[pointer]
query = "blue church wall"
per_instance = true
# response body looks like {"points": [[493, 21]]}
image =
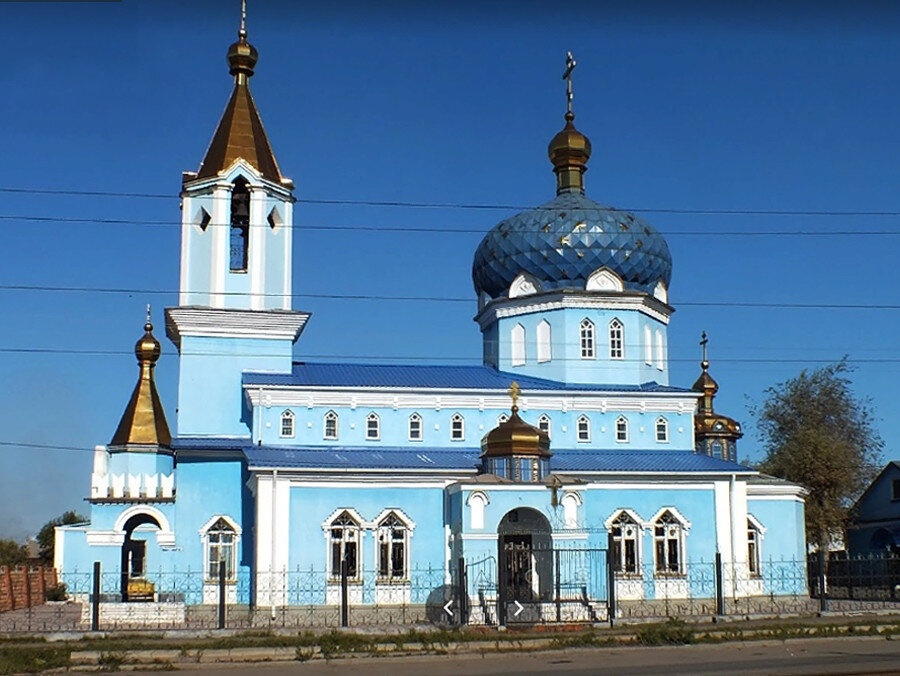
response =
{"points": [[209, 380], [394, 427], [140, 463], [785, 535], [199, 242], [566, 363]]}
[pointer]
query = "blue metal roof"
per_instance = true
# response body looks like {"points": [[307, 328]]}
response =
{"points": [[324, 374], [210, 443], [466, 459]]}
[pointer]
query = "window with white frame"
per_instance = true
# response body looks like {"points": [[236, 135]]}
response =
{"points": [[517, 345], [583, 428], [415, 427], [343, 545], [662, 430], [586, 333], [373, 426], [660, 351], [621, 429], [287, 424], [544, 352], [457, 428], [502, 418], [544, 424], [616, 340], [626, 544], [393, 547], [754, 555], [648, 345], [220, 540], [668, 538], [330, 425]]}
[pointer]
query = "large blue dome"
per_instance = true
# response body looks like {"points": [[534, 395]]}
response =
{"points": [[562, 242]]}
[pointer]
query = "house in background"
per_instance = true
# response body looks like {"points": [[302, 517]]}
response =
{"points": [[876, 516]]}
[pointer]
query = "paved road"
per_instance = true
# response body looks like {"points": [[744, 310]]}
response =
{"points": [[812, 656]]}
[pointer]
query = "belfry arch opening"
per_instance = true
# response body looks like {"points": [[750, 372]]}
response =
{"points": [[240, 226], [134, 558]]}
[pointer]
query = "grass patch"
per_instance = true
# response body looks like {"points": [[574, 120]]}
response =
{"points": [[111, 660], [18, 660], [587, 639], [336, 643], [671, 632]]}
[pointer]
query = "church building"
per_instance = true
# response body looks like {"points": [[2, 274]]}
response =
{"points": [[568, 437]]}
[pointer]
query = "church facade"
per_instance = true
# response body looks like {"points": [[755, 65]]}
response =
{"points": [[569, 437]]}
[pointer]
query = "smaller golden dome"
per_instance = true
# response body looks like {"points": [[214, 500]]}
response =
{"points": [[515, 437], [242, 56], [706, 383], [147, 349], [569, 152]]}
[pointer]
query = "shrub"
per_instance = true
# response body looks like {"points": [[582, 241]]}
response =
{"points": [[671, 632]]}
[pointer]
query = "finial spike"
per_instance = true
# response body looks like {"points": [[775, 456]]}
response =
{"points": [[242, 33], [567, 76]]}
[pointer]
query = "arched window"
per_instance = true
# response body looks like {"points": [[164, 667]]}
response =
{"points": [[502, 418], [544, 424], [477, 502], [343, 544], [648, 345], [755, 532], [662, 430], [287, 424], [240, 226], [586, 333], [570, 503], [373, 426], [626, 539], [583, 426], [330, 425], [392, 536], [517, 345], [660, 351], [621, 429], [616, 340], [220, 540], [415, 427], [457, 428], [668, 537], [544, 352]]}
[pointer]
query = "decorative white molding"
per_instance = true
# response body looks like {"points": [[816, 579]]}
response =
{"points": [[104, 538], [634, 516], [604, 279], [240, 167], [231, 522], [661, 293], [524, 285], [227, 323], [757, 524], [164, 536], [403, 516], [685, 524]]}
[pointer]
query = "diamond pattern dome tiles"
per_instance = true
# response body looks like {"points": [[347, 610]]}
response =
{"points": [[562, 242]]}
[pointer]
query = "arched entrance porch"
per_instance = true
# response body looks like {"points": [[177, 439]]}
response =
{"points": [[134, 586], [525, 557]]}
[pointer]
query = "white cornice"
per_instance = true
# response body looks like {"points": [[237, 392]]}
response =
{"points": [[192, 187], [775, 491], [221, 323], [588, 300], [298, 396]]}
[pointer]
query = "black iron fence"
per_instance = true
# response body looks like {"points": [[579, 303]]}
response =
{"points": [[518, 585]]}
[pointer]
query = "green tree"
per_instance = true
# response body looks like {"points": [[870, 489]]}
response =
{"points": [[12, 553], [819, 434], [47, 535]]}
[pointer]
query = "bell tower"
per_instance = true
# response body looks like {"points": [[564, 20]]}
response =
{"points": [[234, 307]]}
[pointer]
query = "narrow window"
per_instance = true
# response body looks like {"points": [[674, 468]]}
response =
{"points": [[753, 542], [660, 351], [621, 429], [457, 428], [616, 340], [373, 426], [625, 538], [203, 219], [586, 332], [287, 424], [415, 427], [343, 543], [330, 425], [648, 345], [584, 428], [543, 341], [393, 542], [544, 424], [220, 551], [662, 430], [240, 226], [502, 418], [517, 345], [667, 535]]}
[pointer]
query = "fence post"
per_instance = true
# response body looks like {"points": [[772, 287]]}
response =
{"points": [[95, 599], [462, 591], [221, 594], [823, 594], [610, 581], [345, 592], [720, 586], [557, 587], [502, 583]]}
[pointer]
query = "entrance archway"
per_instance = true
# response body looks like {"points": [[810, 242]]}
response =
{"points": [[134, 560], [525, 557]]}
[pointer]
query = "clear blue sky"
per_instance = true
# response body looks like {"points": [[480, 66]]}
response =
{"points": [[761, 106]]}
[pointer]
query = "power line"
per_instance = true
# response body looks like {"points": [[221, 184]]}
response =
{"points": [[464, 205]]}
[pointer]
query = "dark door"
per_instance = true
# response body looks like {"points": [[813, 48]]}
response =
{"points": [[516, 572]]}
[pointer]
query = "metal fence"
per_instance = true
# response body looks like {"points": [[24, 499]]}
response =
{"points": [[519, 585]]}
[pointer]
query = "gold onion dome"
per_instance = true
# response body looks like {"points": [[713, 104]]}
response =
{"points": [[569, 153], [242, 56], [147, 349], [515, 437]]}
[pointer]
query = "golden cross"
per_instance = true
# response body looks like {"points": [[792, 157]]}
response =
{"points": [[514, 392]]}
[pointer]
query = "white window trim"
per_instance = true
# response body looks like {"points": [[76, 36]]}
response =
{"points": [[333, 577], [621, 418], [517, 356], [409, 435], [587, 346], [476, 512], [754, 523], [502, 418], [462, 427], [684, 526], [370, 417], [544, 342], [204, 539], [546, 419], [337, 426], [616, 324], [578, 429], [641, 526], [665, 421], [287, 414]]}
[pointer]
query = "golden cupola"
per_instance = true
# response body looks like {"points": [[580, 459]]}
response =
{"points": [[569, 153], [514, 449], [143, 423], [715, 435]]}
